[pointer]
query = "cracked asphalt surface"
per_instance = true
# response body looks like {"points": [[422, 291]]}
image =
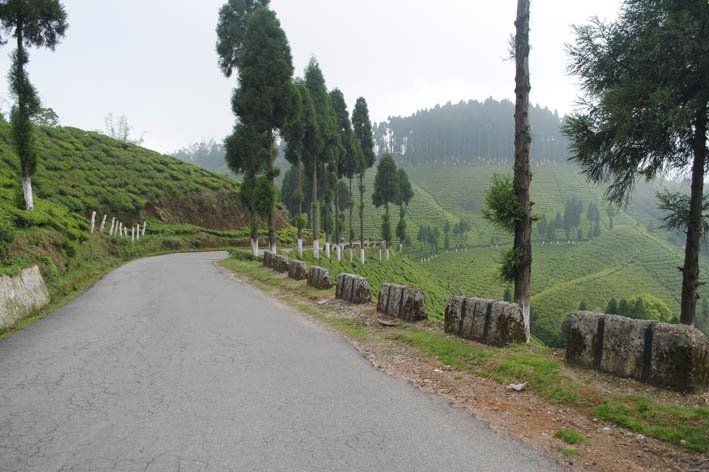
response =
{"points": [[167, 364]]}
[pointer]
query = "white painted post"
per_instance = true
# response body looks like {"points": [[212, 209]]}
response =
{"points": [[113, 223], [380, 254], [93, 221], [361, 254], [145, 226], [351, 255], [137, 232], [327, 250], [387, 254], [300, 248], [316, 249], [255, 241], [338, 250], [120, 229], [132, 234], [103, 223]]}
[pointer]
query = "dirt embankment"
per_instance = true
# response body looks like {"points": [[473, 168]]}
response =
{"points": [[216, 210]]}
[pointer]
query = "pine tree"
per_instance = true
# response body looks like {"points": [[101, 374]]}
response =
{"points": [[646, 108], [406, 193], [386, 191], [366, 158], [612, 308], [231, 29], [345, 153], [319, 156], [301, 134], [38, 23], [265, 97]]}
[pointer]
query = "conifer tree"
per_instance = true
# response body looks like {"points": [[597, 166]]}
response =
{"points": [[231, 29], [265, 96], [345, 154], [406, 193], [38, 23], [646, 103], [386, 191], [365, 151], [320, 152], [301, 134]]}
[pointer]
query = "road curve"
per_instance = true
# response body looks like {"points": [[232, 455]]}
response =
{"points": [[167, 364]]}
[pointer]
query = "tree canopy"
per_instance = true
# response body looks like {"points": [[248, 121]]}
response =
{"points": [[646, 100]]}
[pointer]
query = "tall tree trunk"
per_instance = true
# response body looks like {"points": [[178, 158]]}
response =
{"points": [[27, 188], [254, 233], [522, 176], [271, 211], [337, 213], [690, 271], [326, 210], [314, 213], [351, 205], [300, 208], [361, 217]]}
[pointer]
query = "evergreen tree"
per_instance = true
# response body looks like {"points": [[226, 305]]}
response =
{"points": [[386, 191], [623, 307], [318, 156], [583, 306], [365, 156], [265, 97], [612, 308], [38, 23], [231, 29], [346, 152], [543, 227], [406, 193], [610, 211], [507, 297], [301, 134], [652, 65], [246, 154], [446, 235]]}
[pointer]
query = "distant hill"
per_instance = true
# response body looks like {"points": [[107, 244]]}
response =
{"points": [[469, 132]]}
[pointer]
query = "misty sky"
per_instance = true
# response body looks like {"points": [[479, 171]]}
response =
{"points": [[154, 60]]}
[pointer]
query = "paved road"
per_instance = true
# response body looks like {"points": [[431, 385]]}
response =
{"points": [[169, 365]]}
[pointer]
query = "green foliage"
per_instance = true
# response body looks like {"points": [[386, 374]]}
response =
{"points": [[676, 208], [231, 29], [508, 264], [502, 209], [386, 183], [570, 436], [7, 237]]}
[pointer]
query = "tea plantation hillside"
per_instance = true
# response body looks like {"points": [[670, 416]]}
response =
{"points": [[85, 171], [623, 262], [78, 172]]}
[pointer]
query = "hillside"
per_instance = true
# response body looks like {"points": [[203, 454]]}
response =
{"points": [[624, 262], [78, 172]]}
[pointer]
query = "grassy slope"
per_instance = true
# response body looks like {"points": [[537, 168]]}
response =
{"points": [[81, 171], [621, 263]]}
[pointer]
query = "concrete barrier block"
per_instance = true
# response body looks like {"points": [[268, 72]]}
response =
{"points": [[319, 277], [486, 321], [680, 358], [353, 288], [297, 270], [280, 263], [268, 259], [666, 355], [406, 303]]}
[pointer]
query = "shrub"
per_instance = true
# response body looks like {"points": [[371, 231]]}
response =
{"points": [[7, 237]]}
